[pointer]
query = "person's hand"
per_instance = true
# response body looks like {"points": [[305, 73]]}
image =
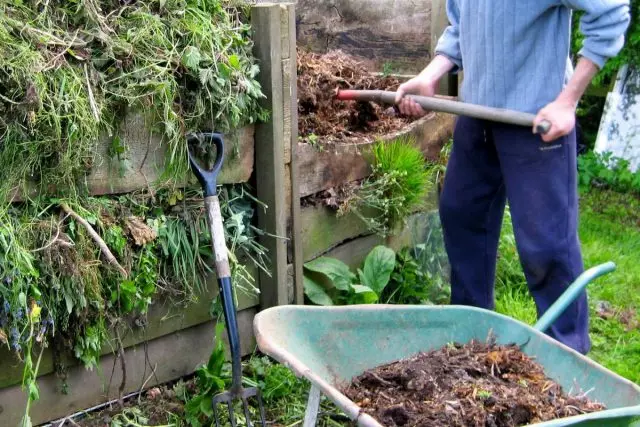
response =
{"points": [[561, 115], [419, 85]]}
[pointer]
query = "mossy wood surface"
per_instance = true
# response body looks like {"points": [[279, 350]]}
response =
{"points": [[143, 165], [354, 249], [322, 230]]}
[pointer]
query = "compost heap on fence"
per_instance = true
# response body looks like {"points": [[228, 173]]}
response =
{"points": [[78, 273], [472, 384], [323, 118]]}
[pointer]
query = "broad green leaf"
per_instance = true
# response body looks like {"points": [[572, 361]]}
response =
{"points": [[22, 299], [191, 58], [234, 61], [378, 267], [334, 269], [33, 391], [206, 408], [316, 292], [365, 294], [128, 286]]}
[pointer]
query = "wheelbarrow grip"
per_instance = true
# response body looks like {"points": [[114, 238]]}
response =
{"points": [[448, 106], [572, 292]]}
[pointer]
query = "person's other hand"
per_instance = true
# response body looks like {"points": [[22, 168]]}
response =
{"points": [[419, 85], [561, 116]]}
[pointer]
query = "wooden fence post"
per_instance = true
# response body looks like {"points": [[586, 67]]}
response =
{"points": [[289, 71], [275, 142], [439, 22]]}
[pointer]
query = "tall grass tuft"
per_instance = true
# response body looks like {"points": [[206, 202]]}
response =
{"points": [[398, 185]]}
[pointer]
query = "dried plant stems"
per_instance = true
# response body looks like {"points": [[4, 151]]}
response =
{"points": [[96, 237]]}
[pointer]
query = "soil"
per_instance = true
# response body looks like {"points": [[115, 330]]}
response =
{"points": [[323, 118], [475, 384]]}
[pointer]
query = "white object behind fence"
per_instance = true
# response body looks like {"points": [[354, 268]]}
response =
{"points": [[619, 131]]}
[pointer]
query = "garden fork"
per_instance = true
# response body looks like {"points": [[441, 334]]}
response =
{"points": [[207, 178]]}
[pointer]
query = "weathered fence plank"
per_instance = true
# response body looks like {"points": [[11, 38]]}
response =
{"points": [[338, 164], [385, 33], [171, 357], [289, 72], [355, 251], [163, 319], [146, 157]]}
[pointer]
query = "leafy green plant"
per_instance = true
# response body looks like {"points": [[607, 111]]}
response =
{"points": [[211, 379], [74, 70], [606, 170], [630, 53], [412, 282], [397, 186], [345, 287]]}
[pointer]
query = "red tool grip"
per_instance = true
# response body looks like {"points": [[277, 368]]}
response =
{"points": [[347, 95]]}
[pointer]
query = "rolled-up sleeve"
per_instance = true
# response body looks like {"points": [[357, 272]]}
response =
{"points": [[449, 43], [604, 25]]}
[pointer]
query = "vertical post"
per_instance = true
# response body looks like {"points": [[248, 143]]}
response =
{"points": [[290, 98], [439, 22], [269, 152]]}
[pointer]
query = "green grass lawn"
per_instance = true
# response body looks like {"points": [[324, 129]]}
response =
{"points": [[609, 231]]}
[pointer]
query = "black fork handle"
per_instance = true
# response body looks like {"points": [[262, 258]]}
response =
{"points": [[208, 181], [207, 178]]}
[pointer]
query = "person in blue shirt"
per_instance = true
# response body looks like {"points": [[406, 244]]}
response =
{"points": [[514, 54]]}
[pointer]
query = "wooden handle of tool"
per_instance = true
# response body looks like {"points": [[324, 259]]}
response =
{"points": [[448, 106], [214, 218]]}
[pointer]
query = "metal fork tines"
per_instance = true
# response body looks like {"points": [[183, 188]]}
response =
{"points": [[244, 394]]}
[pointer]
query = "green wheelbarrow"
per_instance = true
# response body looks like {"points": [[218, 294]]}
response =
{"points": [[331, 345]]}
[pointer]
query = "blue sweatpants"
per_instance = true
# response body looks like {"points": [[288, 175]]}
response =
{"points": [[491, 163]]}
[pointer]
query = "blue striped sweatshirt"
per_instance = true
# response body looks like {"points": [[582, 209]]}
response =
{"points": [[515, 53]]}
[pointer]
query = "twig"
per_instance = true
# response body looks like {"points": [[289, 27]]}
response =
{"points": [[96, 237], [92, 101], [55, 239]]}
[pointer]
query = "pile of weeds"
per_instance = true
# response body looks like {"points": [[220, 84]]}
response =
{"points": [[76, 272], [56, 288], [70, 70]]}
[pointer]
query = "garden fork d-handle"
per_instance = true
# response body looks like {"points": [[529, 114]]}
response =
{"points": [[207, 178]]}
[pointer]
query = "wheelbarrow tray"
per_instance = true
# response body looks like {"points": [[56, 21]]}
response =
{"points": [[329, 346]]}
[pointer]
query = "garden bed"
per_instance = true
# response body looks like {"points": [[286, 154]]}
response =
{"points": [[473, 384]]}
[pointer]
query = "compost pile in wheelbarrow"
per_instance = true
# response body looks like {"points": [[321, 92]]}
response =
{"points": [[475, 384], [322, 116]]}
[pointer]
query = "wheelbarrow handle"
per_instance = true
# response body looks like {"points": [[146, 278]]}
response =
{"points": [[207, 178], [572, 292], [448, 106]]}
